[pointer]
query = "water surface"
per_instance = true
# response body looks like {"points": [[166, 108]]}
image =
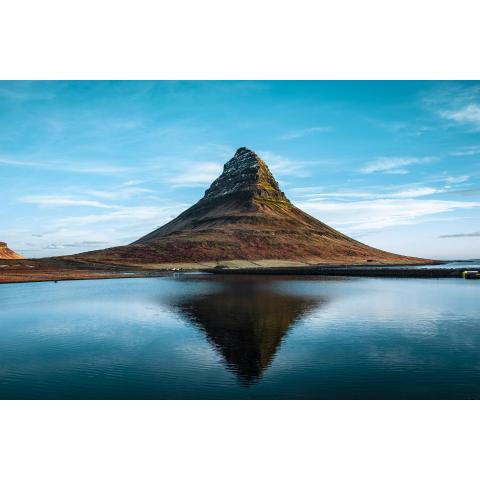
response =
{"points": [[207, 336]]}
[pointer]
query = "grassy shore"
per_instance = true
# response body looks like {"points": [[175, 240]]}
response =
{"points": [[59, 269]]}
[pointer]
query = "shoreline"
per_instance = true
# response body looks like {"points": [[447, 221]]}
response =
{"points": [[347, 271], [78, 279], [58, 270]]}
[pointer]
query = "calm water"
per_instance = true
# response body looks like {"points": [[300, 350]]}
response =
{"points": [[201, 336]]}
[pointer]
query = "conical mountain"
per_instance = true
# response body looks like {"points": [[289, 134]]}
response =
{"points": [[244, 190], [244, 216], [8, 254]]}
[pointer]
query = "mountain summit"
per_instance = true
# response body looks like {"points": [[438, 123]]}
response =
{"points": [[246, 172], [244, 189], [245, 217]]}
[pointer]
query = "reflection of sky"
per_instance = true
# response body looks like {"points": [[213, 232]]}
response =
{"points": [[110, 335]]}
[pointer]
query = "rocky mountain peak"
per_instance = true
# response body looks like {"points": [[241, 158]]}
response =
{"points": [[246, 172]]}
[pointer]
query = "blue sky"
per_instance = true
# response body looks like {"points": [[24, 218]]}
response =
{"points": [[87, 165]]}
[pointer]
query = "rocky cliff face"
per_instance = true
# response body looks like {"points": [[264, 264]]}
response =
{"points": [[246, 173], [7, 254], [245, 216]]}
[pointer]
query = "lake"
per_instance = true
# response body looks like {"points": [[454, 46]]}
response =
{"points": [[199, 336]]}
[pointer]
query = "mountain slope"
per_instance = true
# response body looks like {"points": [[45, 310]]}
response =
{"points": [[7, 254], [245, 216]]}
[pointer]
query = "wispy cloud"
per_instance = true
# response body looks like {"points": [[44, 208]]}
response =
{"points": [[281, 165], [59, 201], [309, 194], [76, 233], [460, 235], [467, 151], [407, 129], [100, 169], [78, 167], [76, 245], [394, 165], [458, 103], [414, 192], [122, 192], [360, 216], [315, 193], [454, 179], [467, 192], [22, 92], [201, 174], [361, 211], [305, 132], [122, 214], [467, 115]]}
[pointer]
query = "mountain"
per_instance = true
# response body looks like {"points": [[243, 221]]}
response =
{"points": [[244, 216], [7, 254]]}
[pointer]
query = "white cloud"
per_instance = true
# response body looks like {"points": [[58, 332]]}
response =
{"points": [[59, 201], [304, 133], [394, 165], [76, 246], [467, 151], [122, 214], [118, 226], [120, 193], [414, 192], [280, 165], [466, 115], [457, 179], [309, 194], [100, 169], [458, 103], [407, 129], [65, 167], [23, 93], [131, 183], [200, 174], [19, 163], [377, 214]]}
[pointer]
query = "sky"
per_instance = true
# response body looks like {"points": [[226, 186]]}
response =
{"points": [[89, 165]]}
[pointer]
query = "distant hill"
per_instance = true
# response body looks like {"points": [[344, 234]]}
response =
{"points": [[7, 254], [245, 217]]}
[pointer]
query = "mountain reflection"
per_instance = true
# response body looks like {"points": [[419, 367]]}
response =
{"points": [[245, 320]]}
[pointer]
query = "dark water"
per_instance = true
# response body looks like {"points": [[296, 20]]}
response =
{"points": [[201, 336]]}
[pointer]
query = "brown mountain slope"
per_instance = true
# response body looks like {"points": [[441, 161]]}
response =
{"points": [[245, 216], [7, 254]]}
